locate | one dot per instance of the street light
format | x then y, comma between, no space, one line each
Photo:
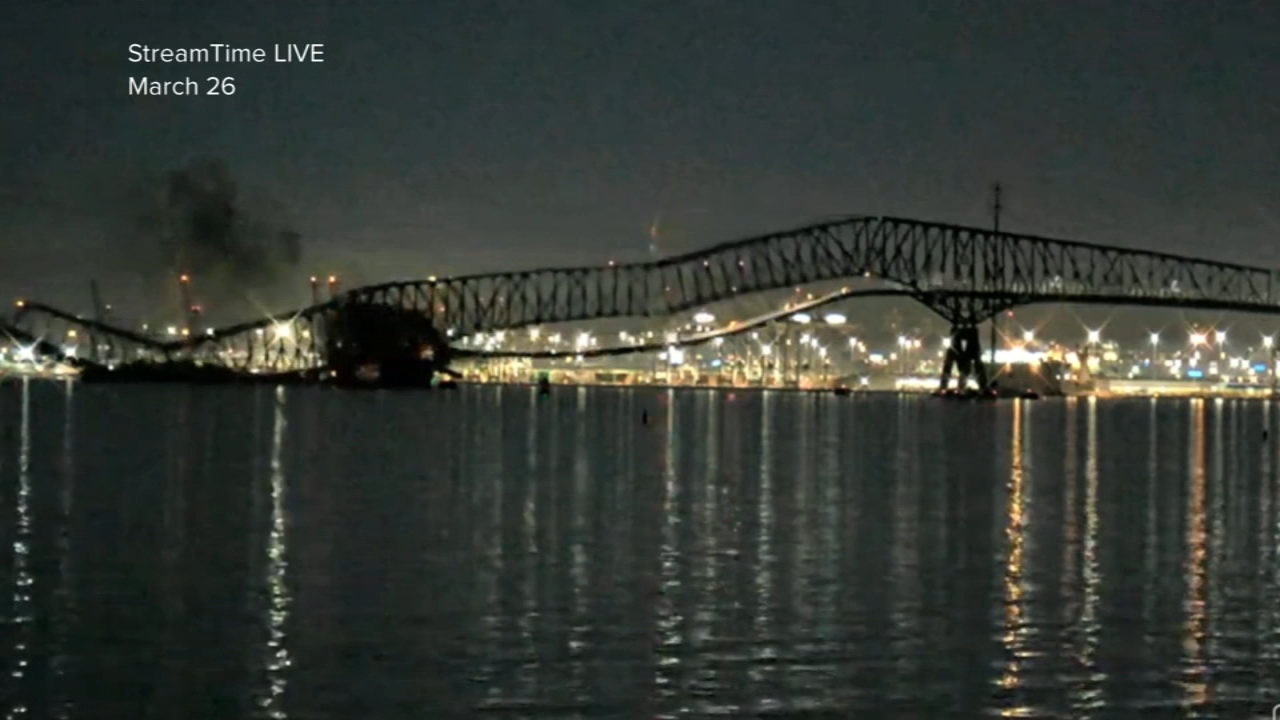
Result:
1269,342
1028,335
1155,359
1198,339
1095,336
834,319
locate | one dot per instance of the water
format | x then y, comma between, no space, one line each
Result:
217,553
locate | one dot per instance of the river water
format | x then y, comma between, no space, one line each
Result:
227,553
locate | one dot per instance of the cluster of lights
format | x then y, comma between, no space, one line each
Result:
829,318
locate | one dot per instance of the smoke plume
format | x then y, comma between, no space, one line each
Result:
239,251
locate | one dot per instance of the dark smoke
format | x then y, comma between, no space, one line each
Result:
241,254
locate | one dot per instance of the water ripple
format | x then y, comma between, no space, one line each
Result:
494,552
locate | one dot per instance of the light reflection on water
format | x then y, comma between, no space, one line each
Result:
276,660
63,606
491,550
21,618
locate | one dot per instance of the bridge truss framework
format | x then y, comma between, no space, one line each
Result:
966,275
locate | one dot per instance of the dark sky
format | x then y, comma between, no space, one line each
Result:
446,137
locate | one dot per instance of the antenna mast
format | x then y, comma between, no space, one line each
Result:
996,207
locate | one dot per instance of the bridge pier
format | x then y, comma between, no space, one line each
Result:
964,356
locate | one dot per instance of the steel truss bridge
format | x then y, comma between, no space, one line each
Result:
966,275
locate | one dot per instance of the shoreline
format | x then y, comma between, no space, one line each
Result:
310,380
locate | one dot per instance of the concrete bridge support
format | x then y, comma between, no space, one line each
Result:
966,313
964,356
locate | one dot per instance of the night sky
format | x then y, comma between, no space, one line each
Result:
449,137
